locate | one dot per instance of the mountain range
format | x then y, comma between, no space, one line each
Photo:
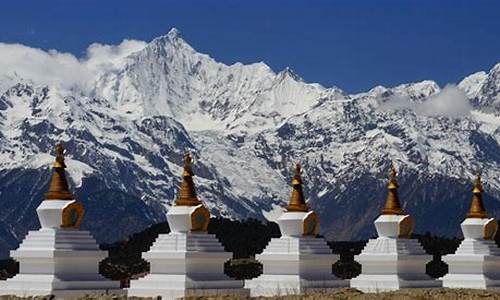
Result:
126,129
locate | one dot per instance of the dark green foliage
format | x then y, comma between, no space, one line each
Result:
242,268
124,260
437,247
346,267
8,268
243,238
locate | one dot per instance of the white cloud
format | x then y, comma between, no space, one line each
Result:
102,57
45,67
63,69
450,101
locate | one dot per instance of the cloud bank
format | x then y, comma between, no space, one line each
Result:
102,57
63,69
450,102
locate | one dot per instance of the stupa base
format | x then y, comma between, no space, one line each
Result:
170,286
25,285
393,263
470,281
473,271
60,262
186,264
382,283
279,285
295,265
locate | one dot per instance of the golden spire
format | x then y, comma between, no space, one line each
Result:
477,207
392,206
297,201
187,193
58,188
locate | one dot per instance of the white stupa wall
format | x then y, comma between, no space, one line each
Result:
63,262
476,263
296,263
390,262
186,262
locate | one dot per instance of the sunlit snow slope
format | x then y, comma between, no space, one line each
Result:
126,130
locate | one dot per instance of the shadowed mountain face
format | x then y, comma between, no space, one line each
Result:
246,126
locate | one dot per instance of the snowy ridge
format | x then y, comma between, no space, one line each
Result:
246,126
168,77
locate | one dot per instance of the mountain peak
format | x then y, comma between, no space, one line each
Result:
496,68
174,33
472,84
290,73
173,38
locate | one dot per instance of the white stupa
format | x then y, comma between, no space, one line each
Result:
476,263
188,261
297,262
59,259
393,260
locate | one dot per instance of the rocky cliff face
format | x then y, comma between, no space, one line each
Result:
246,125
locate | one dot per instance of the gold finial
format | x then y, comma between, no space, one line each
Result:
297,201
188,162
59,163
393,173
58,188
477,206
392,205
478,187
187,193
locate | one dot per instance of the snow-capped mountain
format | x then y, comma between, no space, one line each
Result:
127,129
168,77
482,89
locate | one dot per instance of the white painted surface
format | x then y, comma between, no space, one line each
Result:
186,263
476,263
389,225
473,228
63,262
295,264
179,218
292,223
391,263
50,212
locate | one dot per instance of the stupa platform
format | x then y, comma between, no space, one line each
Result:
62,262
391,264
476,263
186,264
59,259
393,260
296,265
298,262
188,261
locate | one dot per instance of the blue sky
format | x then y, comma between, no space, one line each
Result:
352,44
